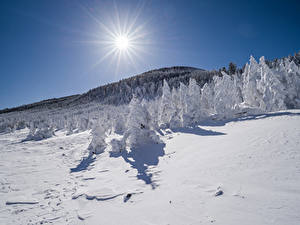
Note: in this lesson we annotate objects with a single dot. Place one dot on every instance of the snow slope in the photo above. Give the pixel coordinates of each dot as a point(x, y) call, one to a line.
point(254, 161)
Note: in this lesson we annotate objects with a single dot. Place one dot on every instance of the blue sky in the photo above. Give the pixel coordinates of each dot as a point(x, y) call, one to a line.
point(53, 48)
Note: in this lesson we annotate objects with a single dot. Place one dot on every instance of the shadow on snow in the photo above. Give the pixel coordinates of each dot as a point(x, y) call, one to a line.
point(141, 158)
point(197, 131)
point(247, 117)
point(84, 163)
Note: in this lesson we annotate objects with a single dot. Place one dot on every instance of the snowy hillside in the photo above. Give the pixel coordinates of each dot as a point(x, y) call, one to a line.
point(168, 98)
point(251, 163)
point(171, 146)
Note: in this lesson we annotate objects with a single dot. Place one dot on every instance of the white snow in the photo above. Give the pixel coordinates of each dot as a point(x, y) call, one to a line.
point(254, 161)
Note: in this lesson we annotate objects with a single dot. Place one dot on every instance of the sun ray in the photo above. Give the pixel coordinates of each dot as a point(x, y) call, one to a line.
point(123, 40)
point(118, 64)
point(135, 18)
point(131, 60)
point(118, 19)
point(97, 20)
point(103, 58)
point(136, 56)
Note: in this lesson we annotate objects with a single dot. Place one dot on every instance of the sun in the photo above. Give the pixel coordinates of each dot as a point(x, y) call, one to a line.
point(122, 42)
point(122, 38)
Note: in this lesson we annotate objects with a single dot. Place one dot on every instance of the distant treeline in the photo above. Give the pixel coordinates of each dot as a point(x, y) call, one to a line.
point(147, 85)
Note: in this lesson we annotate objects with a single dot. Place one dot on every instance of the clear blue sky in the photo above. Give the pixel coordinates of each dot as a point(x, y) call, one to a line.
point(50, 48)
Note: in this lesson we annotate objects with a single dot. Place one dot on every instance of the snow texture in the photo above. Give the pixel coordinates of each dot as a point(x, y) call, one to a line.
point(239, 171)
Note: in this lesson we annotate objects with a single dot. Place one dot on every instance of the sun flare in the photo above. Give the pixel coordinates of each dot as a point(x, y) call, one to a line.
point(122, 42)
point(123, 38)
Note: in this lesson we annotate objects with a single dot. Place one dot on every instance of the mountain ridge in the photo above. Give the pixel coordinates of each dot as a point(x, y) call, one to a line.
point(66, 100)
point(124, 87)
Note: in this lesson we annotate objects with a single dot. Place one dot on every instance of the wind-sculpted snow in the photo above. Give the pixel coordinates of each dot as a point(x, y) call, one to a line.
point(235, 171)
point(166, 98)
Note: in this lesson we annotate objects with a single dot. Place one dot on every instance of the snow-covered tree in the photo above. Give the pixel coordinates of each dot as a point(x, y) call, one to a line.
point(40, 130)
point(166, 106)
point(139, 130)
point(193, 109)
point(252, 74)
point(272, 88)
point(98, 143)
point(226, 96)
point(177, 109)
point(207, 100)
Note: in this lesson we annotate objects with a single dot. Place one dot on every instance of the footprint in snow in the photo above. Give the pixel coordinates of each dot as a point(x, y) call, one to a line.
point(127, 197)
point(219, 192)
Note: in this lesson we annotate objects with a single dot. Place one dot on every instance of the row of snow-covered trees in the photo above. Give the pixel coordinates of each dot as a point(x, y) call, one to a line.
point(259, 88)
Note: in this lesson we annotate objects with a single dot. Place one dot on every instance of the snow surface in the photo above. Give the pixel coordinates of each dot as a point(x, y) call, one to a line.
point(241, 171)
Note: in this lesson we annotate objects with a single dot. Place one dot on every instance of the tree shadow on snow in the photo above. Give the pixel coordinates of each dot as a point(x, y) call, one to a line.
point(197, 131)
point(84, 164)
point(246, 118)
point(141, 158)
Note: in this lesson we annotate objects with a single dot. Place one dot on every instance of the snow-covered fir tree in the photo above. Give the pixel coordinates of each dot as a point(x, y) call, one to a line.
point(139, 127)
point(166, 106)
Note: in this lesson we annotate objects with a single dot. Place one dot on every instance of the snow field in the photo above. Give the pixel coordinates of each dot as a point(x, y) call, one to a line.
point(254, 161)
